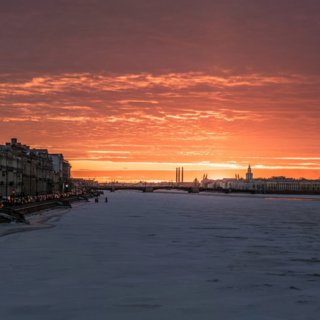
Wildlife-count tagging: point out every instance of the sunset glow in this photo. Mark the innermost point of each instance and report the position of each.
(210, 101)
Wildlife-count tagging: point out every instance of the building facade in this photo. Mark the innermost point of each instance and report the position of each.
(271, 185)
(26, 171)
(61, 173)
(11, 172)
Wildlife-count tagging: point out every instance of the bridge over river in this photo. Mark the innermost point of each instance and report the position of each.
(187, 187)
(150, 187)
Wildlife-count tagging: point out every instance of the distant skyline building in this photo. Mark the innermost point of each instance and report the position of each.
(277, 184)
(179, 175)
(249, 174)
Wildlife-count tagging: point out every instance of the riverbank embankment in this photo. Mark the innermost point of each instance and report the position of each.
(20, 212)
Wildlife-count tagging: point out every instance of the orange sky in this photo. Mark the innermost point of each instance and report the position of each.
(148, 87)
(144, 122)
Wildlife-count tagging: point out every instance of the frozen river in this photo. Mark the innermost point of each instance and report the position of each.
(167, 257)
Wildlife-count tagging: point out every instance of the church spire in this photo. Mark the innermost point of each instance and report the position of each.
(249, 175)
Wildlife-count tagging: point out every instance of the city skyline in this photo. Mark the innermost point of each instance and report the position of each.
(166, 176)
(130, 91)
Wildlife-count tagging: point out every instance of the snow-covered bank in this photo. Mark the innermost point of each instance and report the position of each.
(159, 256)
(39, 220)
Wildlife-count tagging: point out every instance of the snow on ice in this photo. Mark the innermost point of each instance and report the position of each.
(165, 256)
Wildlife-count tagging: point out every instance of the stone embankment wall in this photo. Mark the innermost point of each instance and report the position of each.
(17, 213)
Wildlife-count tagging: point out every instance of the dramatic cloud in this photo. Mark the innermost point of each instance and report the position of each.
(150, 84)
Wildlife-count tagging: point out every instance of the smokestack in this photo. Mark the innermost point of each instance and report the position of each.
(182, 174)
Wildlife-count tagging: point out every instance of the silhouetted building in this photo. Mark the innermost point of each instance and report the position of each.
(62, 173)
(26, 171)
(179, 175)
(271, 185)
(249, 174)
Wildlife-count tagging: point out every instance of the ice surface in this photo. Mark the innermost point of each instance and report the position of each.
(151, 256)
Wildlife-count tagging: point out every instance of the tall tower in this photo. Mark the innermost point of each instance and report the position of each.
(179, 174)
(249, 174)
